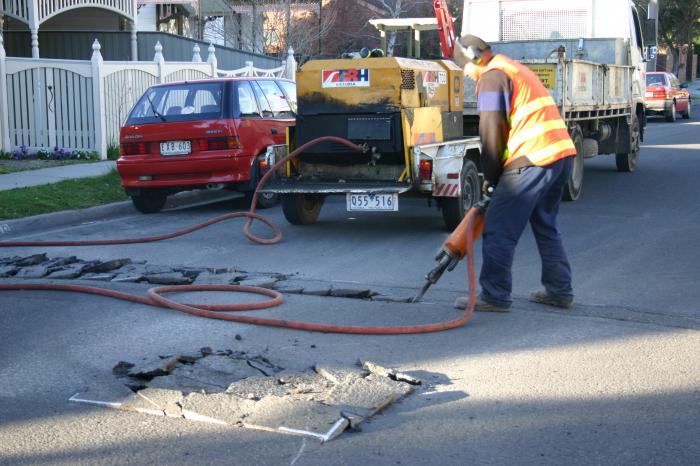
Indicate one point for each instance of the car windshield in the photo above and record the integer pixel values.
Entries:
(655, 80)
(178, 102)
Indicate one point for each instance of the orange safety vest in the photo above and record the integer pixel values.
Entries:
(537, 130)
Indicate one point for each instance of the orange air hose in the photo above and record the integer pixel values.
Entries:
(217, 311)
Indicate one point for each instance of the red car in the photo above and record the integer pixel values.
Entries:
(211, 133)
(666, 96)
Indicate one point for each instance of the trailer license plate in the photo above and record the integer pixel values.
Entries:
(377, 202)
(175, 147)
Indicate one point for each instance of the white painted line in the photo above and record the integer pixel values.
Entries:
(108, 404)
(339, 426)
(299, 453)
(193, 416)
(287, 430)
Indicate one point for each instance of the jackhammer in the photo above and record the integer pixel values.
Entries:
(454, 248)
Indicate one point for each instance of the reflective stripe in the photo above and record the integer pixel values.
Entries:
(498, 60)
(552, 152)
(531, 107)
(532, 132)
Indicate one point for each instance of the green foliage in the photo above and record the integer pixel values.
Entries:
(113, 152)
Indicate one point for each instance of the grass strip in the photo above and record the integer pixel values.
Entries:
(64, 195)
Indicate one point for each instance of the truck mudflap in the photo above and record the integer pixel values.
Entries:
(447, 159)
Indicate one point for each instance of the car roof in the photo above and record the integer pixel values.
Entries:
(223, 80)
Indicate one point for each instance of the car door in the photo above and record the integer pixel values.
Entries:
(282, 115)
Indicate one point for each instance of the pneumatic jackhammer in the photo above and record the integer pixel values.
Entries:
(454, 248)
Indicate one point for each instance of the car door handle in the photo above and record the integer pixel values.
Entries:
(273, 130)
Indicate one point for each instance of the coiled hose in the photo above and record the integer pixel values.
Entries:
(154, 296)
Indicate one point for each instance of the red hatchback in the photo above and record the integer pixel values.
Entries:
(666, 96)
(202, 134)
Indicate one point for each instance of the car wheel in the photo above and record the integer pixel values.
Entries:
(686, 114)
(455, 208)
(671, 114)
(265, 200)
(149, 202)
(301, 209)
(573, 188)
(627, 162)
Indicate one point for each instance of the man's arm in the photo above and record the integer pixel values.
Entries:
(494, 92)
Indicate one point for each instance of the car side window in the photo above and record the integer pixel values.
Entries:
(278, 102)
(247, 106)
(290, 89)
(265, 108)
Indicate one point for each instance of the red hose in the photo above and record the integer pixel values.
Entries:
(214, 311)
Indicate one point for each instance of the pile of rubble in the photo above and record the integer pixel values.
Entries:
(125, 270)
(235, 389)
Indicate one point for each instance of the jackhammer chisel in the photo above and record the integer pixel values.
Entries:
(454, 248)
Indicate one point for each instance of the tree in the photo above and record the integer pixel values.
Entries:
(272, 26)
(679, 24)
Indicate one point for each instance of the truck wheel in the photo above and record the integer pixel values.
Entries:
(573, 188)
(455, 208)
(628, 162)
(149, 201)
(301, 209)
(686, 114)
(671, 114)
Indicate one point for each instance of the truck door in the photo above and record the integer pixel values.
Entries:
(637, 56)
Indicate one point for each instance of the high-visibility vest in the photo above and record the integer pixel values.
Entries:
(536, 129)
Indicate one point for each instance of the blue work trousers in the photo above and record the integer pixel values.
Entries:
(525, 194)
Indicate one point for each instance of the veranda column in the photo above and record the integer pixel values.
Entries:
(34, 26)
(133, 29)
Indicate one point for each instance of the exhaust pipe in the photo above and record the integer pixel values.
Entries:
(215, 186)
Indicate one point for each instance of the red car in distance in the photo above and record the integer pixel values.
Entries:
(665, 95)
(210, 133)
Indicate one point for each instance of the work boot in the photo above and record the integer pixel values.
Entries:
(480, 305)
(542, 297)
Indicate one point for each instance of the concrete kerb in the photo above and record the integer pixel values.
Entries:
(37, 223)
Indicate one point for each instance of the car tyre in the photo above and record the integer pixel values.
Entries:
(302, 209)
(574, 185)
(686, 114)
(265, 200)
(455, 208)
(671, 114)
(627, 162)
(149, 202)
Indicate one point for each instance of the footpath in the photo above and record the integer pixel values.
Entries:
(51, 175)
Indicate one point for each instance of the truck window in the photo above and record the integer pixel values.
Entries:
(637, 36)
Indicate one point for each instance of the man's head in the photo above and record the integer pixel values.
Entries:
(473, 55)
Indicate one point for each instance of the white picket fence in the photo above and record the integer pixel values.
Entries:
(80, 105)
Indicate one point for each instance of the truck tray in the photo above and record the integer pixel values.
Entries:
(334, 187)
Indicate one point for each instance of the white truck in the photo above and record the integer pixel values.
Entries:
(588, 53)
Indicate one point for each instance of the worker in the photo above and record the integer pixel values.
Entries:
(526, 158)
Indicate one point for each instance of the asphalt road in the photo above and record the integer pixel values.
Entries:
(616, 380)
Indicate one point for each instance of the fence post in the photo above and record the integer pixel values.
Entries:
(4, 120)
(98, 99)
(196, 57)
(211, 59)
(160, 60)
(249, 71)
(290, 65)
